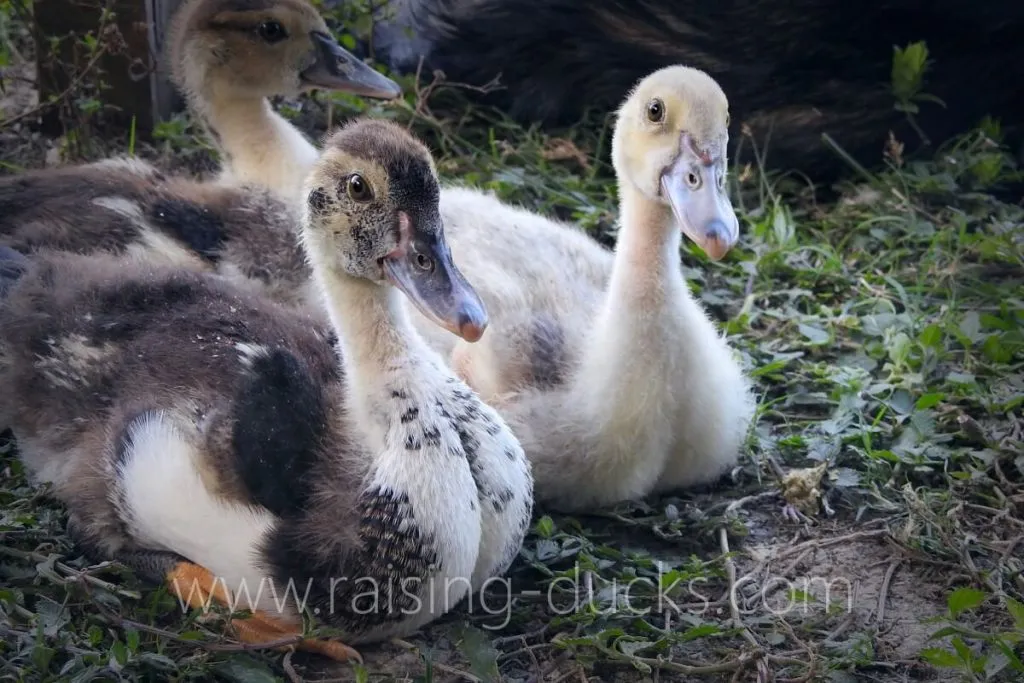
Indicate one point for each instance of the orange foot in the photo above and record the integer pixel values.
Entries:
(197, 586)
(262, 627)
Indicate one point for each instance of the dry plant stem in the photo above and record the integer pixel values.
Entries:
(811, 659)
(289, 670)
(658, 664)
(730, 566)
(883, 593)
(818, 543)
(996, 588)
(211, 647)
(73, 574)
(735, 505)
(437, 665)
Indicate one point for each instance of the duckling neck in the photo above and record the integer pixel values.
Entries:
(372, 324)
(646, 269)
(640, 329)
(257, 144)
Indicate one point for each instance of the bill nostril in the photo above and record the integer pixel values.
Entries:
(717, 230)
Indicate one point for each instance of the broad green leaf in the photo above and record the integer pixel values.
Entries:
(815, 335)
(245, 669)
(942, 658)
(964, 599)
(702, 631)
(479, 652)
(545, 527)
(995, 351)
(158, 661)
(929, 401)
(932, 336)
(960, 378)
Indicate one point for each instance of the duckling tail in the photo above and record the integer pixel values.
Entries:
(13, 265)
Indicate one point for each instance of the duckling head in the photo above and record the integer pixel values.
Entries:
(372, 212)
(670, 146)
(265, 48)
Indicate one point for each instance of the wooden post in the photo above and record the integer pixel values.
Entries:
(166, 98)
(136, 78)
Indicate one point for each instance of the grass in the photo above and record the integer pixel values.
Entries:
(873, 532)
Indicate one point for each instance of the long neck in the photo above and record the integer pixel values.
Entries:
(636, 330)
(646, 269)
(256, 143)
(373, 328)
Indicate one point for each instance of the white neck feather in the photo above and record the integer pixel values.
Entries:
(636, 331)
(373, 327)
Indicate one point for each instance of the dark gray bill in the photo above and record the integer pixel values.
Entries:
(700, 205)
(423, 269)
(335, 68)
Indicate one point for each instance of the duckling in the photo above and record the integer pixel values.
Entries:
(229, 56)
(608, 370)
(648, 343)
(236, 448)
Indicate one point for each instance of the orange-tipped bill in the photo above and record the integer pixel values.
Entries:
(422, 268)
(699, 203)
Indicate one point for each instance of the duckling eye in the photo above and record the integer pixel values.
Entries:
(655, 111)
(424, 262)
(358, 189)
(272, 31)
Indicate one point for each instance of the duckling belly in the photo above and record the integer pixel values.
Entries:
(167, 506)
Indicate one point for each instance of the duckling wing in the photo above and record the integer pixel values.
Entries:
(88, 343)
(126, 207)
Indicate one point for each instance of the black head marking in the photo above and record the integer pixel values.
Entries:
(318, 201)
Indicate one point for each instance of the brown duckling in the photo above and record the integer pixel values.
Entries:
(217, 441)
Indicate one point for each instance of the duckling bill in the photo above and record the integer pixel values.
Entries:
(422, 268)
(694, 185)
(335, 68)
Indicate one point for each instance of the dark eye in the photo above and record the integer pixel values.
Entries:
(655, 111)
(272, 31)
(358, 189)
(424, 262)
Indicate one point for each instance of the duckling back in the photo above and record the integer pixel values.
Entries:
(128, 208)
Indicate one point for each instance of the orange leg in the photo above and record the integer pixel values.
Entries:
(197, 586)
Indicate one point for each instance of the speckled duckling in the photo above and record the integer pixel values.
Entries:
(215, 440)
